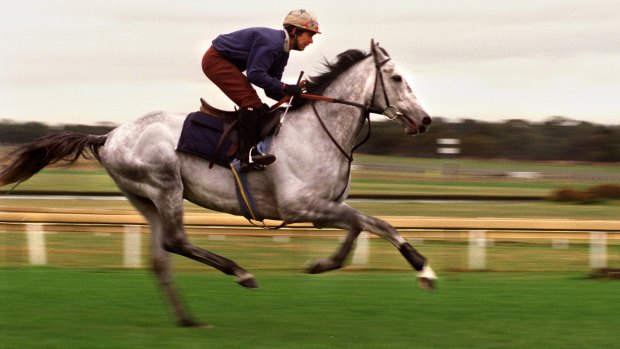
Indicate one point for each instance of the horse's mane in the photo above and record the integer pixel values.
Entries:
(317, 84)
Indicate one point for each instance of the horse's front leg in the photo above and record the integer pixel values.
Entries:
(337, 260)
(426, 275)
(326, 214)
(340, 215)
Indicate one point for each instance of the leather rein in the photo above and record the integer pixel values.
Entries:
(367, 108)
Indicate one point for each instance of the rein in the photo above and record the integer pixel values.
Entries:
(370, 108)
(349, 157)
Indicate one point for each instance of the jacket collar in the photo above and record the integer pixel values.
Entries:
(287, 40)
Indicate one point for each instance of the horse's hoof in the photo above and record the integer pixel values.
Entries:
(427, 279)
(247, 281)
(428, 284)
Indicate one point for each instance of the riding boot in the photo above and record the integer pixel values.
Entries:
(248, 155)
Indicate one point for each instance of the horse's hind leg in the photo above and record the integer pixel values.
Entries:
(174, 239)
(161, 259)
(168, 236)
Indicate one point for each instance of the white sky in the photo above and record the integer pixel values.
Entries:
(76, 61)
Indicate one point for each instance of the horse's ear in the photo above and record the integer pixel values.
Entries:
(373, 46)
(379, 53)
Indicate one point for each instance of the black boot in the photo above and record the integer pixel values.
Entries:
(247, 124)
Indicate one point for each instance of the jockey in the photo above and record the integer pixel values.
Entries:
(262, 53)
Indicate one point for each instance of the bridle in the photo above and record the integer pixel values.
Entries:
(379, 79)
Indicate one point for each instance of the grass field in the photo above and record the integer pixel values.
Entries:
(68, 308)
(534, 296)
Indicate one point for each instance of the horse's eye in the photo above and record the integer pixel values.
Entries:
(397, 78)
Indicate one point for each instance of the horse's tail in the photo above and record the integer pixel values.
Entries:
(28, 159)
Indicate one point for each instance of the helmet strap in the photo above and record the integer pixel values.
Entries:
(293, 36)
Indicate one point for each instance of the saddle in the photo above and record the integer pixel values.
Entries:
(211, 133)
(266, 124)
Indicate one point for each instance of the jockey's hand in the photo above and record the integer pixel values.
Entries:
(294, 90)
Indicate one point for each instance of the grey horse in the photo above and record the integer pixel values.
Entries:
(308, 183)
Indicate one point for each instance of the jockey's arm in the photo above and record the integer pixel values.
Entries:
(260, 64)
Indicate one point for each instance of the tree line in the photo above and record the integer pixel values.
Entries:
(557, 139)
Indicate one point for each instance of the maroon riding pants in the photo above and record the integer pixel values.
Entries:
(229, 79)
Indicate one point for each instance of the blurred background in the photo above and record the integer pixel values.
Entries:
(526, 125)
(518, 174)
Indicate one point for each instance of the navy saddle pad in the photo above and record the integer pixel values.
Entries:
(200, 135)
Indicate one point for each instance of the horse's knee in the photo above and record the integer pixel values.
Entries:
(175, 245)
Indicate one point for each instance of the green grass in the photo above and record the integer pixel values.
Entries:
(68, 306)
(435, 165)
(63, 308)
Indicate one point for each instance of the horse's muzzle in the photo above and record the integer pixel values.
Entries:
(414, 129)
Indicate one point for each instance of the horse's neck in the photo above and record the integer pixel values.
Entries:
(345, 122)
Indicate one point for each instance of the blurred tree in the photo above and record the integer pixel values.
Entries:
(558, 138)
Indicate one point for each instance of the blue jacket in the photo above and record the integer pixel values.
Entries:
(261, 52)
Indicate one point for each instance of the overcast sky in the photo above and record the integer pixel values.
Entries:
(76, 61)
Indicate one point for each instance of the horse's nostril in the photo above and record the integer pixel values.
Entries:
(426, 120)
(422, 129)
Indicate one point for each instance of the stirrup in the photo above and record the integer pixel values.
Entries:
(245, 167)
(260, 158)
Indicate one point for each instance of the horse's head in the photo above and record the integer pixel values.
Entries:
(393, 97)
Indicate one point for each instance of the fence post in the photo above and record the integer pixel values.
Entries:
(132, 246)
(360, 254)
(450, 148)
(37, 255)
(598, 249)
(477, 250)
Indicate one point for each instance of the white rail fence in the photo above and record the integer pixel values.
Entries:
(480, 234)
